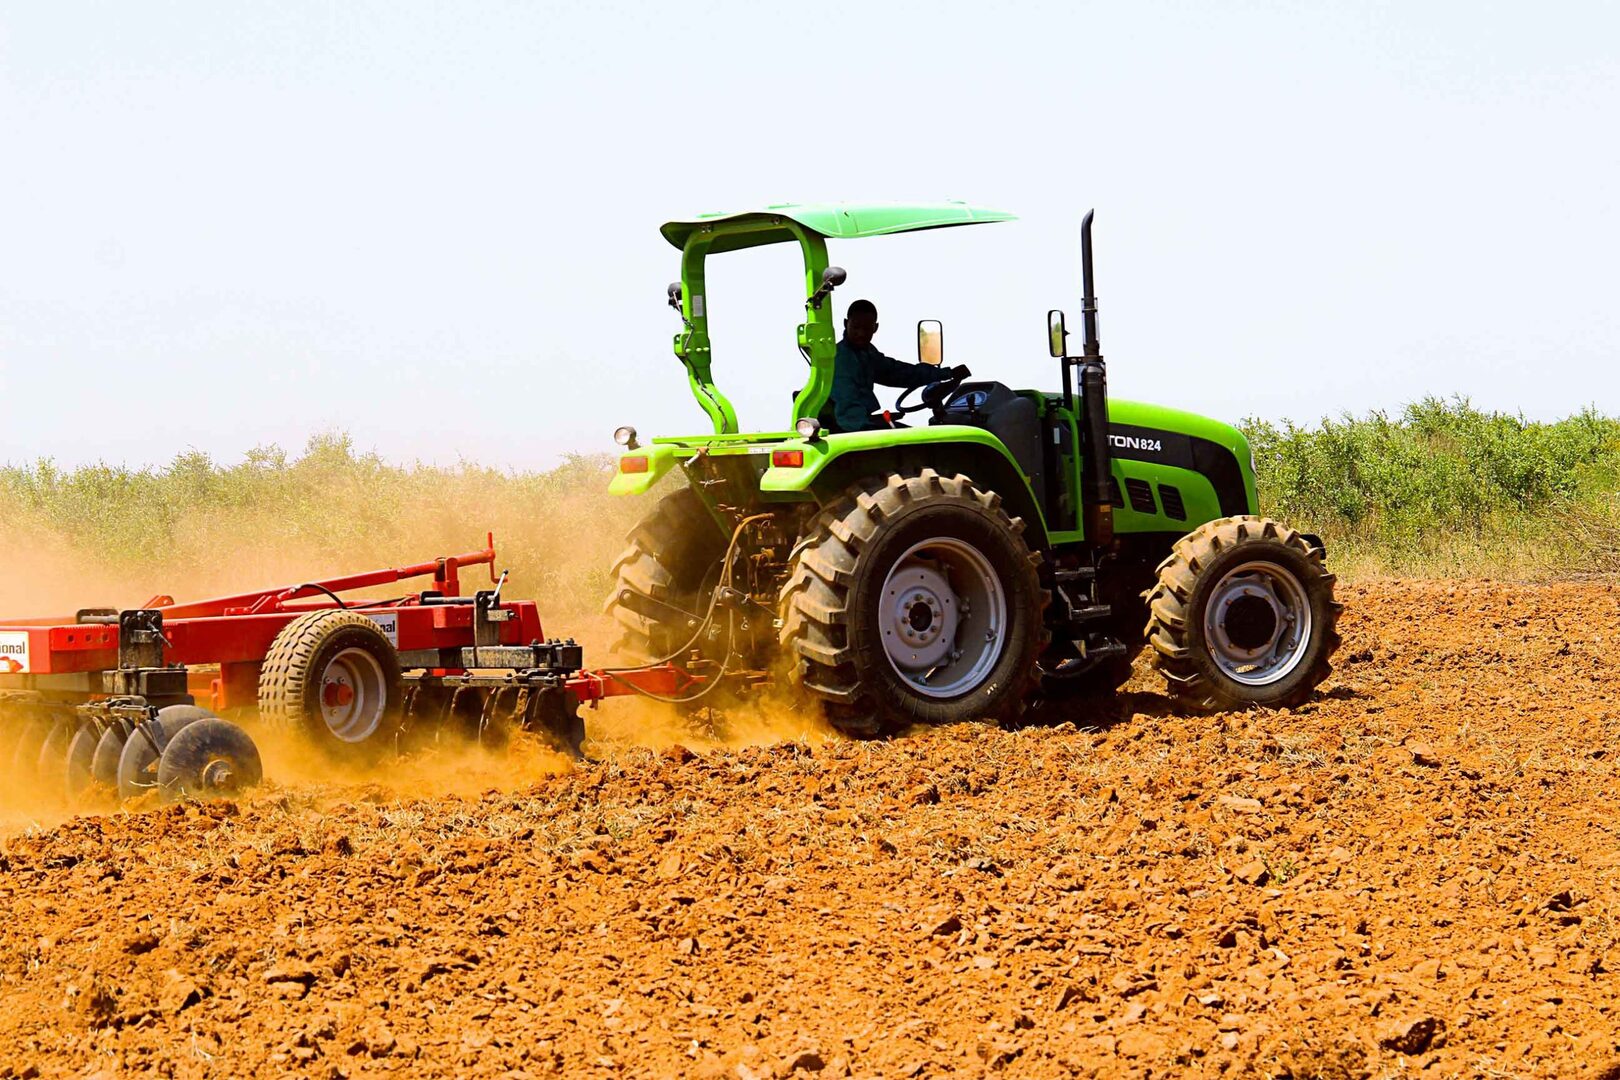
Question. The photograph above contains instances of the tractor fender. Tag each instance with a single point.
(632, 478)
(833, 462)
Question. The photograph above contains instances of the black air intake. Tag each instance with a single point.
(1141, 497)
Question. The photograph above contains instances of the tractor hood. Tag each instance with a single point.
(837, 221)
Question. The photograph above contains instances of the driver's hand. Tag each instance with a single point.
(954, 374)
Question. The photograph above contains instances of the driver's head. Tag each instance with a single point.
(860, 323)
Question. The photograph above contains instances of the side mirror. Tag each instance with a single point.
(931, 342)
(675, 295)
(1057, 337)
(831, 278)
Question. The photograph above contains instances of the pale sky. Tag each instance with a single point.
(435, 226)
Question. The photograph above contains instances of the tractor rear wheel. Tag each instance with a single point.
(334, 676)
(1243, 614)
(914, 599)
(664, 578)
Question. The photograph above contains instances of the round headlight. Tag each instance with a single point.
(808, 427)
(625, 436)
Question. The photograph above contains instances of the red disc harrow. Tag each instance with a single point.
(131, 700)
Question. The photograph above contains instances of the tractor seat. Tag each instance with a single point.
(1007, 415)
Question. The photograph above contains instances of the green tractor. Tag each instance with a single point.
(1018, 545)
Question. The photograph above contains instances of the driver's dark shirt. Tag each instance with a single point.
(855, 370)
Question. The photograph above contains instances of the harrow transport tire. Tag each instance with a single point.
(1243, 614)
(914, 599)
(659, 596)
(333, 676)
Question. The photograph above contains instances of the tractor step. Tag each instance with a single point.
(1083, 619)
(1106, 651)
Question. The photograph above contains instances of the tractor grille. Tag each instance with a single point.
(1173, 506)
(1141, 497)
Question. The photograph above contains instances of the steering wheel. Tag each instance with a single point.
(934, 394)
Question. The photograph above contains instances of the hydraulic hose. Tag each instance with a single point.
(724, 583)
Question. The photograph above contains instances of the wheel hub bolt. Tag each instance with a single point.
(218, 774)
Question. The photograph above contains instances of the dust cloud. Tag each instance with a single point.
(52, 578)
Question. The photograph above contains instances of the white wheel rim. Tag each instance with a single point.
(1257, 623)
(942, 617)
(353, 695)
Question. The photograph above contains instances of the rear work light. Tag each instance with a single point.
(787, 459)
(632, 464)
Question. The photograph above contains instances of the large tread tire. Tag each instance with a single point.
(1177, 604)
(290, 682)
(836, 574)
(673, 552)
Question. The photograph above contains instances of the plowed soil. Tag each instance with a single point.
(1417, 872)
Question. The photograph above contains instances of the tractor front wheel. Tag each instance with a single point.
(914, 599)
(1243, 614)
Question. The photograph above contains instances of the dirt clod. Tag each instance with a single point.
(179, 996)
(805, 1060)
(923, 795)
(1253, 872)
(1413, 1035)
(1423, 754)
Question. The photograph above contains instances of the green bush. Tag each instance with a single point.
(1442, 489)
(1448, 488)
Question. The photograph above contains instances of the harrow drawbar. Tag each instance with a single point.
(114, 704)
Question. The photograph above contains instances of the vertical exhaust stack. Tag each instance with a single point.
(1095, 490)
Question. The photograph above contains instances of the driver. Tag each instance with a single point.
(853, 406)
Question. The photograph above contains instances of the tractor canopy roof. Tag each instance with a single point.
(835, 221)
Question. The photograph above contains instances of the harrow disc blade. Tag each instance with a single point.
(53, 751)
(81, 753)
(109, 748)
(425, 708)
(210, 758)
(178, 716)
(25, 758)
(12, 723)
(138, 764)
(554, 714)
